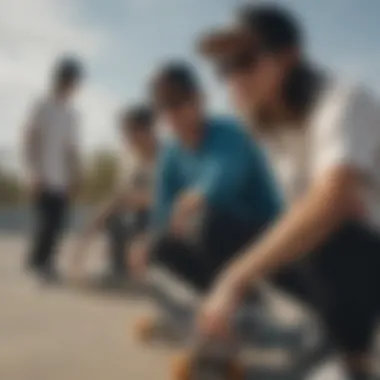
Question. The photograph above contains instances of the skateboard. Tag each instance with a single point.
(150, 328)
(207, 362)
(202, 362)
(172, 323)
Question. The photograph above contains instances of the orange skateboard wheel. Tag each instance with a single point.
(236, 370)
(181, 367)
(145, 329)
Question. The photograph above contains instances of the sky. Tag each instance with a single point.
(122, 41)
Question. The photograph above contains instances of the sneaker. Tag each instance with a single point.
(47, 274)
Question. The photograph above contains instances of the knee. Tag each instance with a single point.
(353, 332)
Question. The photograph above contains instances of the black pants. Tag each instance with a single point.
(50, 210)
(347, 268)
(198, 260)
(341, 282)
(121, 228)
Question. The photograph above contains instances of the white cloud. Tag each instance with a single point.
(47, 25)
(33, 33)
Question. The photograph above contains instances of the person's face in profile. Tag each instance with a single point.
(182, 114)
(140, 138)
(67, 87)
(255, 81)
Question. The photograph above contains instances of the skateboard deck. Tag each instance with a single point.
(208, 361)
(205, 361)
(172, 322)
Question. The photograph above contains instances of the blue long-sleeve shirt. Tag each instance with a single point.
(228, 168)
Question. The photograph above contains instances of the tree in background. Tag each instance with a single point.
(100, 176)
(12, 190)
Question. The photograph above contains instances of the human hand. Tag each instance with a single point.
(138, 258)
(185, 208)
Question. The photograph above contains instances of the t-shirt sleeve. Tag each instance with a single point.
(347, 132)
(32, 136)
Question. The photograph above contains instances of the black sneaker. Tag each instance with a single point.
(48, 275)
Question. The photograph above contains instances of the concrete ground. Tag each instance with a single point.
(63, 334)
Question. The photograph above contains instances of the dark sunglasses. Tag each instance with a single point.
(171, 103)
(237, 63)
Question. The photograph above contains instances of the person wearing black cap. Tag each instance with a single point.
(323, 138)
(213, 190)
(125, 214)
(52, 163)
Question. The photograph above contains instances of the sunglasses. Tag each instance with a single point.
(171, 103)
(237, 63)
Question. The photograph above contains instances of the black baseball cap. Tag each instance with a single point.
(262, 27)
(174, 82)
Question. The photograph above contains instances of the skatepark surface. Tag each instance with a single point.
(65, 334)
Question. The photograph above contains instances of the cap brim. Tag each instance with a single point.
(224, 42)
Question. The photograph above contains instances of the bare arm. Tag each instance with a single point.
(74, 159)
(99, 218)
(92, 226)
(139, 200)
(330, 202)
(31, 144)
(75, 165)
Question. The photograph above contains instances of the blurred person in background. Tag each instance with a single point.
(213, 190)
(52, 159)
(323, 137)
(125, 215)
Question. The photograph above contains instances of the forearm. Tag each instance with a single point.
(30, 153)
(309, 223)
(75, 167)
(101, 215)
(191, 202)
(140, 200)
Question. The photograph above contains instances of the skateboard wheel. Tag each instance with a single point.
(181, 367)
(145, 329)
(236, 371)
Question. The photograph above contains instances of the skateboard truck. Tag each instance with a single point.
(209, 360)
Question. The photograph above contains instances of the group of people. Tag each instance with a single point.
(288, 194)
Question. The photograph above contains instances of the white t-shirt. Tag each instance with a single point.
(136, 174)
(56, 125)
(344, 128)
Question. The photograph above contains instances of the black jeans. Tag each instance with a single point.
(121, 228)
(198, 260)
(347, 268)
(341, 281)
(50, 210)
